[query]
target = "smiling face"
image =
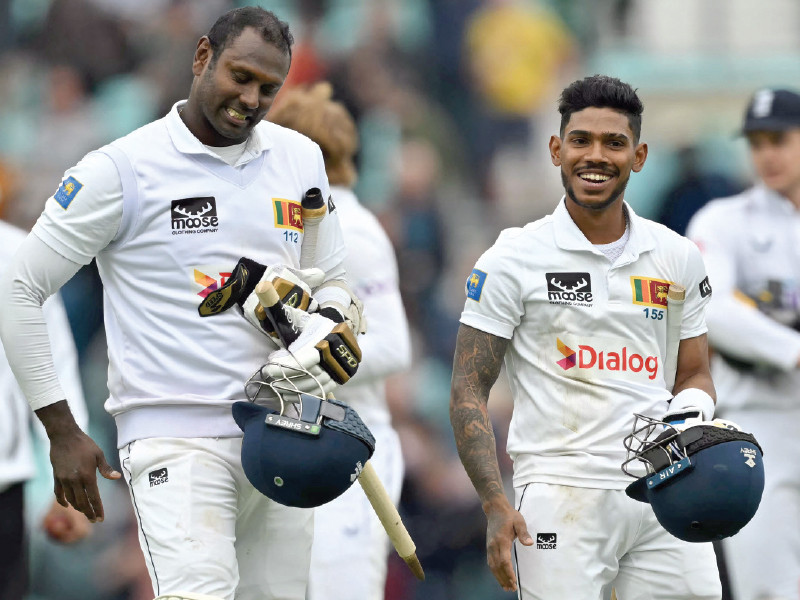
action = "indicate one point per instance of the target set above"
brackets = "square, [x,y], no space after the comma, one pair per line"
[232,94]
[776,159]
[596,153]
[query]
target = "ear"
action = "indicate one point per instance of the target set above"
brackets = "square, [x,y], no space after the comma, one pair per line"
[555,150]
[202,56]
[639,156]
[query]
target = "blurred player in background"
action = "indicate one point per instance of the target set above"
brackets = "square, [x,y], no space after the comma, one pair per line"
[751,247]
[348,560]
[168,211]
[17,464]
[575,304]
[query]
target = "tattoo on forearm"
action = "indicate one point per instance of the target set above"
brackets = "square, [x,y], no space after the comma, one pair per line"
[476,365]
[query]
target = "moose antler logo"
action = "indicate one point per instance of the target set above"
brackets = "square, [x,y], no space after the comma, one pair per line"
[199,213]
[194,215]
[569,288]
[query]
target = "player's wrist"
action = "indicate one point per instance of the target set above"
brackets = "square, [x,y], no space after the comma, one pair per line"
[57,419]
[496,503]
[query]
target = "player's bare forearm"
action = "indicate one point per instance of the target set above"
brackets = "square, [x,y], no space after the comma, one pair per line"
[693,366]
[476,366]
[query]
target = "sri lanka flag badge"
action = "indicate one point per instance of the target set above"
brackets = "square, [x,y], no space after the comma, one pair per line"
[288,214]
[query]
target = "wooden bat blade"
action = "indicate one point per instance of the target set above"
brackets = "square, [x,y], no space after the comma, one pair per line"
[390,519]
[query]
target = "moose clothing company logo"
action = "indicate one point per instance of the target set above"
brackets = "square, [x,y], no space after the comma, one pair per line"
[158,477]
[194,215]
[591,357]
[546,541]
[650,292]
[574,289]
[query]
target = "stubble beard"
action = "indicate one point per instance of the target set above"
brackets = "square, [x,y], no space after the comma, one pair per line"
[615,194]
[212,113]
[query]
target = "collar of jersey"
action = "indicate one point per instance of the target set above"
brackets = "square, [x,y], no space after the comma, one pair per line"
[186,143]
[569,237]
[773,200]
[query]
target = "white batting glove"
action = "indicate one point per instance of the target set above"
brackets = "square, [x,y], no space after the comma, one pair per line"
[293,286]
[286,376]
[689,407]
[683,418]
[296,369]
[338,302]
[294,289]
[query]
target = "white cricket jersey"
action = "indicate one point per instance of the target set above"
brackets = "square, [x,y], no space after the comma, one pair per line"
[751,246]
[371,268]
[187,218]
[16,452]
[587,339]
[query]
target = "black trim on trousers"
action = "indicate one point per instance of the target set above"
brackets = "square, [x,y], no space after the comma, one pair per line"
[139,519]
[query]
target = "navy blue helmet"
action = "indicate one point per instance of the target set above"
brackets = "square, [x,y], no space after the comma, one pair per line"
[704,482]
[307,459]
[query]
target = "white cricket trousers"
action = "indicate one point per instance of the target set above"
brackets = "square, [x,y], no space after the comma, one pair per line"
[348,559]
[587,541]
[204,529]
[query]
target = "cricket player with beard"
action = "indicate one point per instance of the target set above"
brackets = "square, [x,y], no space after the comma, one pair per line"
[575,305]
[348,559]
[749,243]
[168,211]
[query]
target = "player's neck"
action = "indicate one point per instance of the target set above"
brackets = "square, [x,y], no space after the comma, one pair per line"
[794,196]
[600,226]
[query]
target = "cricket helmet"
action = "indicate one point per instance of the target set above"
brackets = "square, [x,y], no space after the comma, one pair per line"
[704,482]
[304,450]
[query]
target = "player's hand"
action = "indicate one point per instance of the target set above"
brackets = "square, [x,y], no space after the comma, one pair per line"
[683,418]
[75,459]
[504,525]
[322,343]
[295,373]
[65,524]
[293,286]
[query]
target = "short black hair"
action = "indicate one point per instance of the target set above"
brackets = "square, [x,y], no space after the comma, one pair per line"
[601,91]
[230,26]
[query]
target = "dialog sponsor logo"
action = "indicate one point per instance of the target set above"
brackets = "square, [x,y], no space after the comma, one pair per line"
[623,359]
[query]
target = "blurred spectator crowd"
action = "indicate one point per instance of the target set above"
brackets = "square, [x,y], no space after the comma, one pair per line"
[455,102]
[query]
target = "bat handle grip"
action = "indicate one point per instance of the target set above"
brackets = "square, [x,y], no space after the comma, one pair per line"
[314,209]
[271,307]
[676,295]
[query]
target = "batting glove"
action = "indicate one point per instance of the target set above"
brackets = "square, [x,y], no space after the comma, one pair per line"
[334,346]
[293,287]
[689,407]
